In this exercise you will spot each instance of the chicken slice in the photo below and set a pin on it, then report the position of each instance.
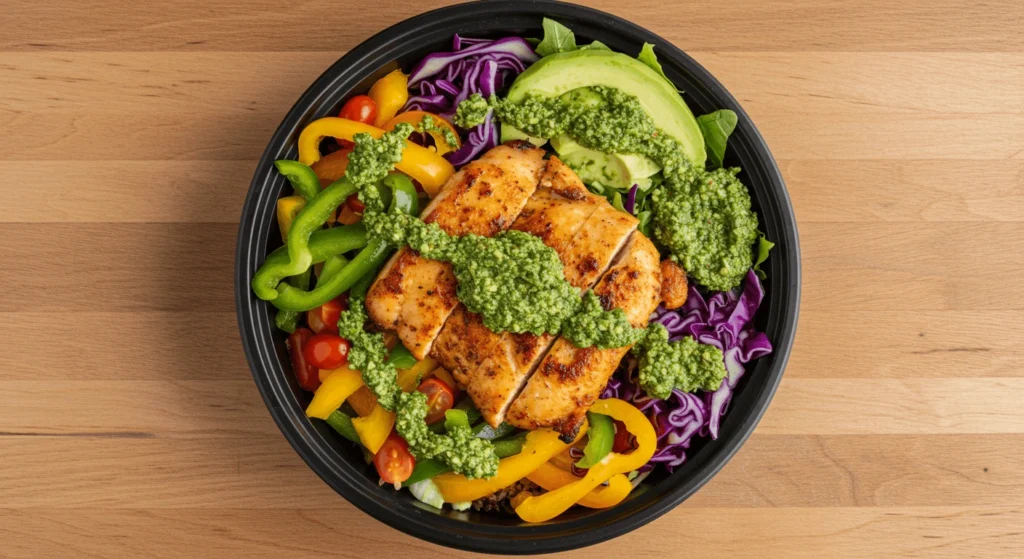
(562, 213)
(413, 295)
(569, 379)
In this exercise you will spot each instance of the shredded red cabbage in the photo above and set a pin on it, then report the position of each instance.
(445, 79)
(630, 204)
(723, 320)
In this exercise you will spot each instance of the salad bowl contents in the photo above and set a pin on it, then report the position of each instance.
(517, 278)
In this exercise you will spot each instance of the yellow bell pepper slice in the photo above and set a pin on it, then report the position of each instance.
(333, 391)
(427, 167)
(416, 117)
(374, 428)
(287, 208)
(539, 447)
(409, 379)
(390, 93)
(551, 477)
(553, 503)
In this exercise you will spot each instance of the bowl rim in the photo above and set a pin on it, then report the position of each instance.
(438, 528)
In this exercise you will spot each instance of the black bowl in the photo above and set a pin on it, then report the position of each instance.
(342, 466)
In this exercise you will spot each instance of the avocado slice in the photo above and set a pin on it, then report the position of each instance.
(557, 74)
(619, 171)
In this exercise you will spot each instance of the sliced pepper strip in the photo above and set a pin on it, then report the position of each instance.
(551, 477)
(415, 118)
(539, 447)
(553, 503)
(374, 428)
(310, 219)
(322, 244)
(429, 168)
(390, 93)
(367, 261)
(332, 392)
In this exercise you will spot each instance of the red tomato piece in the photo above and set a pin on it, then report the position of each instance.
(355, 204)
(360, 108)
(326, 351)
(306, 373)
(440, 398)
(393, 460)
(325, 317)
(624, 441)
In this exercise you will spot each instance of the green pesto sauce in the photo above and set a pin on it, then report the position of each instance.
(471, 112)
(373, 158)
(703, 219)
(459, 448)
(684, 364)
(512, 280)
(427, 125)
(593, 326)
(714, 215)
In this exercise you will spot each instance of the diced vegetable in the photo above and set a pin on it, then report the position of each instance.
(427, 492)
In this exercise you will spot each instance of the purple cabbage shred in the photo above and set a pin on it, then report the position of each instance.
(442, 80)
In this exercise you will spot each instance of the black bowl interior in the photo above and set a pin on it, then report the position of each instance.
(336, 460)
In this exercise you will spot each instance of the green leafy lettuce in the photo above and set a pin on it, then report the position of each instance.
(716, 128)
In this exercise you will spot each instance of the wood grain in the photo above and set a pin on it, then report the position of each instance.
(129, 425)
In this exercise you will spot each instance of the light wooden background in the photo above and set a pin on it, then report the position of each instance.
(130, 427)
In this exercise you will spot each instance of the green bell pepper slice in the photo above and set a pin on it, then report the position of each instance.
(600, 439)
(302, 178)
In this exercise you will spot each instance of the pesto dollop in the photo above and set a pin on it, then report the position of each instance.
(373, 158)
(684, 364)
(459, 448)
(593, 326)
(471, 112)
(703, 219)
(709, 227)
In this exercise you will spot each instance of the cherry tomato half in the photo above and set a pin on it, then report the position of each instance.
(440, 398)
(393, 460)
(326, 351)
(624, 440)
(360, 108)
(305, 372)
(355, 204)
(325, 317)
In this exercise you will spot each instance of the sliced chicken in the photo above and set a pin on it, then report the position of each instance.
(495, 367)
(414, 296)
(569, 379)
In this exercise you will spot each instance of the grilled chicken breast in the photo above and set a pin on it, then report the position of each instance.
(569, 379)
(414, 296)
(495, 367)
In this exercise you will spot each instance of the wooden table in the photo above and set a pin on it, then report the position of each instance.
(130, 426)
